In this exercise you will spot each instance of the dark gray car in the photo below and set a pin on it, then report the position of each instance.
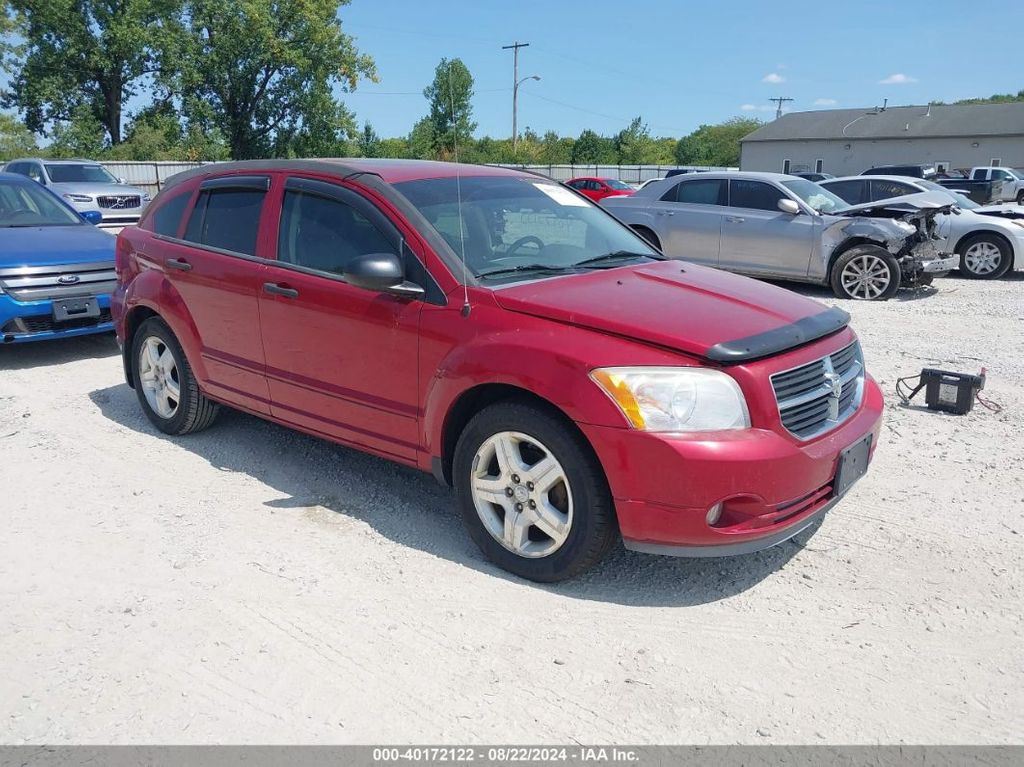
(782, 227)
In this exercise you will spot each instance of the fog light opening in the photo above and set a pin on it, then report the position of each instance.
(714, 514)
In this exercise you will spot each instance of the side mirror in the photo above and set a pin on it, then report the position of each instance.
(120, 180)
(93, 217)
(789, 206)
(381, 272)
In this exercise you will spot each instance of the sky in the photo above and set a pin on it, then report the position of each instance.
(678, 64)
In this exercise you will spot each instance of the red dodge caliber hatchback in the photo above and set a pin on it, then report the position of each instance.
(507, 334)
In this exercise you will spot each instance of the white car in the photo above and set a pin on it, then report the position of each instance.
(988, 238)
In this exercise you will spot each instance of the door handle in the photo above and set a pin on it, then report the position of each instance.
(666, 212)
(179, 264)
(280, 290)
(735, 219)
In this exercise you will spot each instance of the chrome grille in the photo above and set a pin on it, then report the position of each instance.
(820, 395)
(40, 283)
(119, 201)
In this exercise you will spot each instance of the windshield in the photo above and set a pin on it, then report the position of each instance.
(818, 197)
(27, 204)
(64, 173)
(964, 202)
(614, 183)
(519, 228)
(1018, 172)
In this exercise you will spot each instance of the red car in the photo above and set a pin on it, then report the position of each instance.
(488, 325)
(599, 188)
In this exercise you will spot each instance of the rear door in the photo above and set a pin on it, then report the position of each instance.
(688, 219)
(213, 270)
(758, 238)
(341, 360)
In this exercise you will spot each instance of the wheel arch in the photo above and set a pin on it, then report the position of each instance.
(472, 401)
(992, 233)
(847, 246)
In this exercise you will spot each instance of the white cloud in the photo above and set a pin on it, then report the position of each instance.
(825, 102)
(773, 77)
(757, 108)
(898, 79)
(748, 108)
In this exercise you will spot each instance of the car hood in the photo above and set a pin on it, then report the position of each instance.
(1001, 211)
(83, 187)
(54, 245)
(908, 207)
(696, 310)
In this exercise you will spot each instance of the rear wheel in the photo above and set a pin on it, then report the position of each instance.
(531, 493)
(164, 383)
(866, 273)
(984, 256)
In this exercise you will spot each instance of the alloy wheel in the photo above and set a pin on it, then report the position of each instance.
(158, 376)
(866, 277)
(521, 494)
(982, 258)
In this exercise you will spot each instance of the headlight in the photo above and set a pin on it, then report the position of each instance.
(675, 399)
(78, 197)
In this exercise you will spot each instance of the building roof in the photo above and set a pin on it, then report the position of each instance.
(950, 120)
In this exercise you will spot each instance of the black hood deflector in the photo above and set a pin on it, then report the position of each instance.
(780, 339)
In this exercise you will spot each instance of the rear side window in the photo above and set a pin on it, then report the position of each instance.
(883, 190)
(324, 234)
(227, 219)
(167, 217)
(852, 192)
(709, 191)
(755, 195)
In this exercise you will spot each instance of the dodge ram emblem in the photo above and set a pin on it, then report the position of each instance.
(836, 382)
(68, 279)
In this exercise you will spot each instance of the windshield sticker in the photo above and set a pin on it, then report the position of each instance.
(561, 195)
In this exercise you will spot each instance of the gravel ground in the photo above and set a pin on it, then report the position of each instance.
(254, 585)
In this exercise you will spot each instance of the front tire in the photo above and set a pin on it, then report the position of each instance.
(531, 493)
(984, 257)
(866, 273)
(164, 383)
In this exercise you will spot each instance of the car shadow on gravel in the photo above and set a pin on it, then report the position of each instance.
(410, 508)
(57, 352)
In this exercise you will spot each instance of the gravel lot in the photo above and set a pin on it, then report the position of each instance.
(254, 585)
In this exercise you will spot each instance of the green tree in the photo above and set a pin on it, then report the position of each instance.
(82, 135)
(263, 73)
(420, 144)
(556, 150)
(368, 143)
(451, 108)
(999, 98)
(633, 144)
(393, 147)
(83, 54)
(15, 139)
(591, 149)
(715, 144)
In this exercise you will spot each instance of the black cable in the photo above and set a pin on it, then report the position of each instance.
(901, 382)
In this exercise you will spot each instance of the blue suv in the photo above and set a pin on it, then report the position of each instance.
(56, 268)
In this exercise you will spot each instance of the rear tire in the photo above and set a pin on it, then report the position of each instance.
(984, 256)
(532, 494)
(164, 383)
(866, 273)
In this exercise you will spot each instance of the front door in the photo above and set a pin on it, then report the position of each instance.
(341, 360)
(758, 238)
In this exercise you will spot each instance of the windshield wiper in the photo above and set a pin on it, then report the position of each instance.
(549, 268)
(615, 255)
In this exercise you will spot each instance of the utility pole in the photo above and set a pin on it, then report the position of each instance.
(515, 85)
(780, 101)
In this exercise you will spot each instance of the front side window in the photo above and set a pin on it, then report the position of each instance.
(325, 234)
(755, 195)
(67, 173)
(27, 205)
(522, 228)
(709, 191)
(227, 219)
(34, 172)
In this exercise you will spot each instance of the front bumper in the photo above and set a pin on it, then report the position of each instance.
(25, 321)
(771, 486)
(940, 263)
